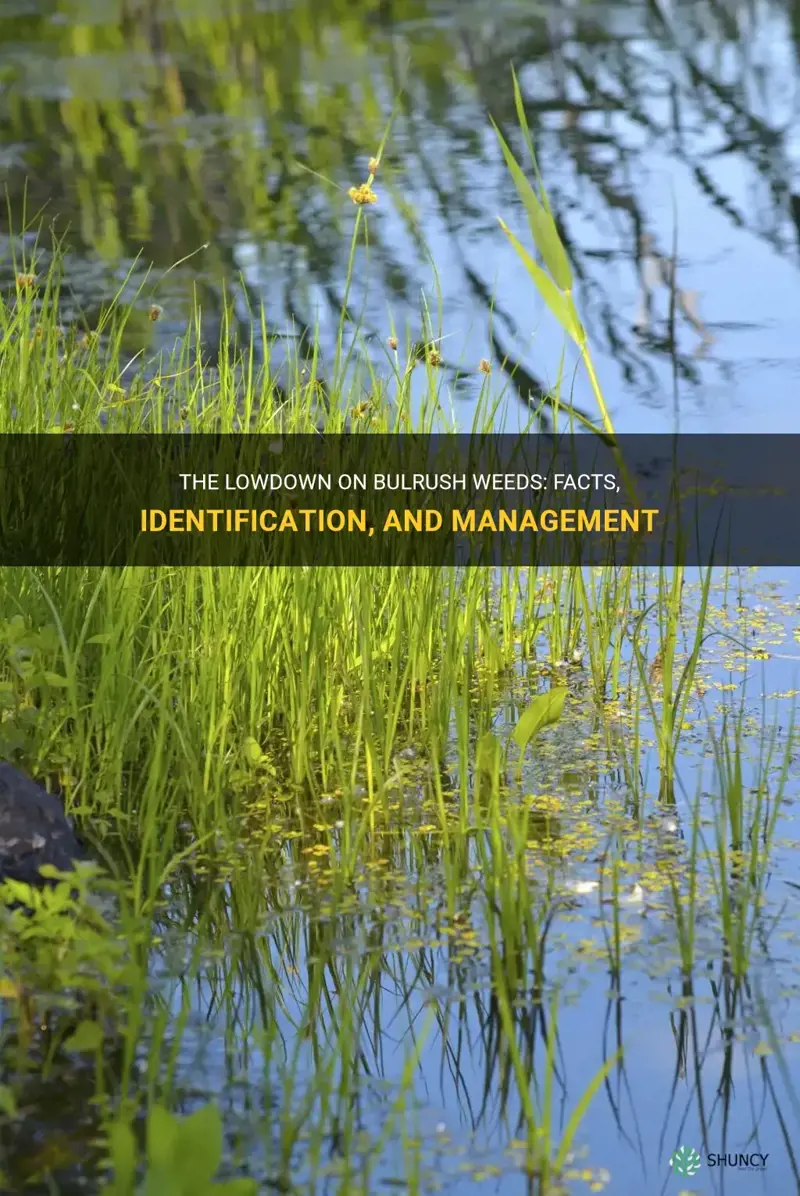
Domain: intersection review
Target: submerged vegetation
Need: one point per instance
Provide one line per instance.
(421, 880)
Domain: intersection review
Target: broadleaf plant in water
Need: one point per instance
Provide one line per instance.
(183, 1157)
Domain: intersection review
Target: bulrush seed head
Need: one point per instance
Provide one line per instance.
(362, 195)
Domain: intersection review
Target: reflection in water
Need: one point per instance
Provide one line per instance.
(657, 271)
(371, 992)
(164, 127)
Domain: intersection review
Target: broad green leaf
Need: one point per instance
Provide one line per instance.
(122, 1149)
(523, 120)
(493, 652)
(50, 872)
(163, 1181)
(200, 1147)
(18, 891)
(56, 681)
(8, 1104)
(87, 1036)
(543, 710)
(487, 753)
(543, 226)
(236, 1187)
(252, 750)
(560, 305)
(162, 1138)
(579, 335)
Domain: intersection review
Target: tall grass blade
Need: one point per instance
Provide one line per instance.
(542, 225)
(560, 305)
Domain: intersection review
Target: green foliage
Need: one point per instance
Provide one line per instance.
(183, 1157)
(58, 949)
(544, 710)
(32, 683)
(555, 283)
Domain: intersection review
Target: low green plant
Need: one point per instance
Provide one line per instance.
(183, 1157)
(58, 951)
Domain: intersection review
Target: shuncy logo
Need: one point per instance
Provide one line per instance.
(685, 1161)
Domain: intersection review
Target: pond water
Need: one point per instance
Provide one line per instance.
(218, 141)
(700, 1062)
(332, 978)
(154, 129)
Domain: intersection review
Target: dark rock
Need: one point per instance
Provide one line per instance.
(34, 830)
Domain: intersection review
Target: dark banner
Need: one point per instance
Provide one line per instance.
(406, 500)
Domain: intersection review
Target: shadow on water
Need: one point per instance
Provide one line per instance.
(665, 134)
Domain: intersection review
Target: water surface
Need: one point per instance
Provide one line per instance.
(156, 129)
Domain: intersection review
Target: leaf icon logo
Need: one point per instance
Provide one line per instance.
(685, 1161)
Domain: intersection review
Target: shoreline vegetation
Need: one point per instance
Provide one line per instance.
(346, 821)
